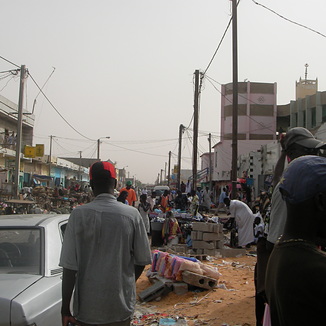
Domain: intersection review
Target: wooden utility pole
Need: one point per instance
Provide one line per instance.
(181, 129)
(98, 148)
(195, 133)
(19, 130)
(161, 183)
(79, 169)
(210, 160)
(50, 156)
(235, 100)
(169, 168)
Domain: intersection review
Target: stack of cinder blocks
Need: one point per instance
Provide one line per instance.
(208, 239)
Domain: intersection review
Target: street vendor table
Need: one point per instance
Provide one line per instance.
(26, 204)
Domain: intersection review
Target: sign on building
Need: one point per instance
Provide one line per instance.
(39, 150)
(29, 151)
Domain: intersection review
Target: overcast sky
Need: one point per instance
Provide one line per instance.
(124, 69)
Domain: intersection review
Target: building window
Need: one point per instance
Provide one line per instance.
(324, 113)
(313, 117)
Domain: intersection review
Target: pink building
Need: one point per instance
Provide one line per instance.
(257, 113)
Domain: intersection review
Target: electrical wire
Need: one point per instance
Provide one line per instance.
(240, 95)
(136, 151)
(9, 61)
(65, 120)
(287, 19)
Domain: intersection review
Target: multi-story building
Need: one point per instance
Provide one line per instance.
(8, 134)
(257, 112)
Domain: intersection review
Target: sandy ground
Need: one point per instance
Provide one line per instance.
(232, 303)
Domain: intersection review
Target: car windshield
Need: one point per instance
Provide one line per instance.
(20, 251)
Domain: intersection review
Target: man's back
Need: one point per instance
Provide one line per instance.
(103, 241)
(296, 284)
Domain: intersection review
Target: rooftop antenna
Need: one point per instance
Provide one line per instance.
(306, 71)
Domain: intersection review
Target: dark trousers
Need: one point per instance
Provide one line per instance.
(119, 323)
(264, 249)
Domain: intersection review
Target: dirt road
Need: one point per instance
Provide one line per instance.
(233, 303)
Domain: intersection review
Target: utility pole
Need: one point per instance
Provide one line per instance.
(181, 129)
(169, 168)
(98, 148)
(235, 100)
(210, 160)
(79, 169)
(195, 133)
(19, 130)
(165, 166)
(50, 156)
(161, 183)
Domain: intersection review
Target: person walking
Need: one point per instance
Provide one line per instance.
(104, 251)
(132, 197)
(295, 276)
(144, 208)
(221, 203)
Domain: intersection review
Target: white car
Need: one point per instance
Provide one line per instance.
(30, 277)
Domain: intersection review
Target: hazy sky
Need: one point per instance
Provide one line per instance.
(125, 69)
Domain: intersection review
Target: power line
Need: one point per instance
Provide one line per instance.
(69, 124)
(218, 47)
(247, 99)
(9, 61)
(287, 19)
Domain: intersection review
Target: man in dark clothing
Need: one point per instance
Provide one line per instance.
(295, 277)
(297, 142)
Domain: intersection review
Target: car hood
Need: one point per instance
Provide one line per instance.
(13, 284)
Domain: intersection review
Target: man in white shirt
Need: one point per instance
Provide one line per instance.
(105, 250)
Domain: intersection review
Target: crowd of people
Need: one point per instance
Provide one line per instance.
(106, 246)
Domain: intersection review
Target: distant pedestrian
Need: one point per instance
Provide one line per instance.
(123, 197)
(132, 197)
(194, 204)
(244, 219)
(144, 208)
(164, 201)
(221, 203)
(105, 250)
(180, 201)
(295, 277)
(152, 201)
(206, 198)
(183, 187)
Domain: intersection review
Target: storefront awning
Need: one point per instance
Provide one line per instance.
(42, 178)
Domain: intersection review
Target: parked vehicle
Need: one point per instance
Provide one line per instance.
(30, 277)
(159, 190)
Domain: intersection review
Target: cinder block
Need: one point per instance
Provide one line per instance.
(212, 236)
(231, 252)
(199, 280)
(180, 288)
(193, 235)
(201, 226)
(158, 289)
(210, 252)
(202, 245)
(179, 248)
(219, 244)
(200, 235)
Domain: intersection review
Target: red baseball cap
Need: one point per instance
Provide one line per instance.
(97, 169)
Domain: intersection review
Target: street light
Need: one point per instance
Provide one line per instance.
(98, 145)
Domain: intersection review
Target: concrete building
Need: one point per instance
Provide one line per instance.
(257, 112)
